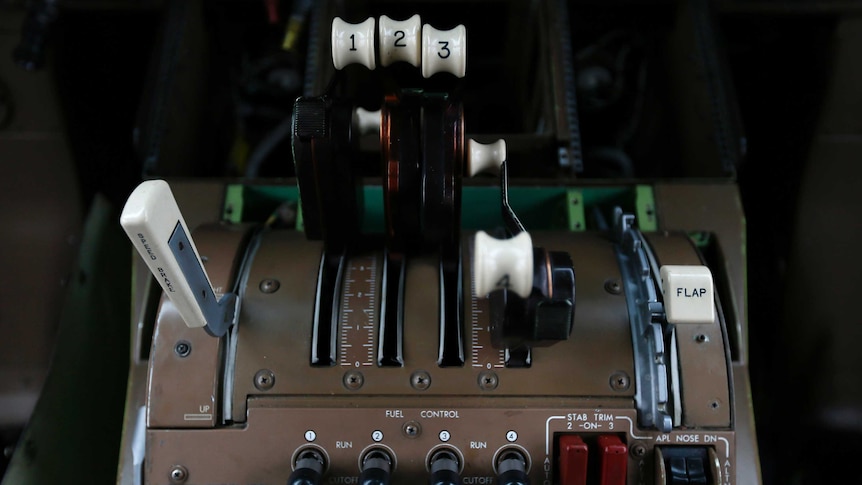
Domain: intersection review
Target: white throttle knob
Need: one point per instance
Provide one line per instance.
(485, 157)
(503, 263)
(366, 122)
(444, 51)
(400, 40)
(353, 43)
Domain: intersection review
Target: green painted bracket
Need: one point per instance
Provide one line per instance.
(575, 208)
(645, 208)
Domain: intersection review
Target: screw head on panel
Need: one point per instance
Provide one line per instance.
(179, 474)
(613, 286)
(620, 381)
(183, 349)
(420, 380)
(264, 379)
(269, 286)
(353, 380)
(488, 381)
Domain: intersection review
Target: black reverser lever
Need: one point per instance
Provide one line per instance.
(531, 289)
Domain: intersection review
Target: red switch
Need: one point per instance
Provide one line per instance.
(573, 460)
(613, 458)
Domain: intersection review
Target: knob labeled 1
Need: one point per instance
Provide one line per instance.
(153, 222)
(352, 43)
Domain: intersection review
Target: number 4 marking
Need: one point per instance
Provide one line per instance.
(504, 281)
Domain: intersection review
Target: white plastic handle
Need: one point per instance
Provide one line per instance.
(444, 51)
(149, 218)
(400, 40)
(503, 263)
(485, 157)
(366, 122)
(353, 43)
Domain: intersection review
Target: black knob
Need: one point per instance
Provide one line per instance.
(309, 469)
(376, 468)
(512, 469)
(444, 468)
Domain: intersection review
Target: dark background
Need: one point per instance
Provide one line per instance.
(797, 83)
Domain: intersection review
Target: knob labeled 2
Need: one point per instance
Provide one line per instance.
(400, 40)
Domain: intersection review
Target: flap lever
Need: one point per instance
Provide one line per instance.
(154, 224)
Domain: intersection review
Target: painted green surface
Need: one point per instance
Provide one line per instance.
(538, 208)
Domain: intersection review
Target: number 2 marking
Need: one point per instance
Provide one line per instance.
(352, 42)
(399, 38)
(443, 49)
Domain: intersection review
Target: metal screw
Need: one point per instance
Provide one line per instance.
(269, 286)
(420, 380)
(701, 338)
(183, 349)
(488, 381)
(638, 450)
(620, 381)
(353, 379)
(613, 287)
(179, 474)
(714, 404)
(264, 379)
(412, 429)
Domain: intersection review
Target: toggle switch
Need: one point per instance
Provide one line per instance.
(444, 51)
(445, 468)
(400, 40)
(376, 468)
(613, 459)
(688, 294)
(309, 469)
(503, 263)
(352, 43)
(573, 460)
(512, 469)
(485, 157)
(153, 222)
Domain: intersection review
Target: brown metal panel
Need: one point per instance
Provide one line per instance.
(274, 331)
(715, 208)
(476, 428)
(701, 349)
(183, 392)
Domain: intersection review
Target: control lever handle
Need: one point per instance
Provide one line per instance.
(153, 222)
(503, 263)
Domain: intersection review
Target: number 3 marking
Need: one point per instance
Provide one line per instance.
(443, 49)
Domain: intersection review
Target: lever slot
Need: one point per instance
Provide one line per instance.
(451, 352)
(390, 352)
(327, 300)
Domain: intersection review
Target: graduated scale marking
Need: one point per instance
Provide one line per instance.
(358, 313)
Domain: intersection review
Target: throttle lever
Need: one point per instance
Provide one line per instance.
(153, 222)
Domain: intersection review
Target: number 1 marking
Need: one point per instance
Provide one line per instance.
(352, 42)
